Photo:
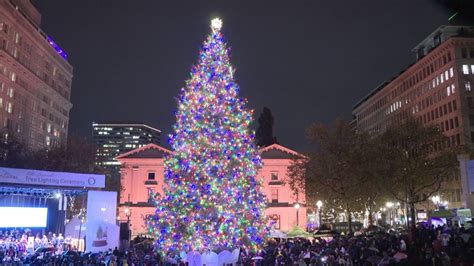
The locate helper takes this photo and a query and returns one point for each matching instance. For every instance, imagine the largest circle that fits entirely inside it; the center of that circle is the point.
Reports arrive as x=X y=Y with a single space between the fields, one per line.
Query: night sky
x=306 y=60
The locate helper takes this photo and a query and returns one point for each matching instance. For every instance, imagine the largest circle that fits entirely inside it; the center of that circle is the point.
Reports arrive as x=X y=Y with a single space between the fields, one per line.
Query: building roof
x=153 y=151
x=447 y=36
x=149 y=151
x=276 y=151
x=123 y=124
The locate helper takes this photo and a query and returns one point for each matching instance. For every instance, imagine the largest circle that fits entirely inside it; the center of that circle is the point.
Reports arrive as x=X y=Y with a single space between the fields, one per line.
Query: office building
x=115 y=138
x=437 y=89
x=35 y=79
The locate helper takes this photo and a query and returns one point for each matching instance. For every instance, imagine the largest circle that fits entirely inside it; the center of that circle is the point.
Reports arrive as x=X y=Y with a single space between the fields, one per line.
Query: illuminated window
x=48 y=141
x=468 y=85
x=274 y=195
x=274 y=176
x=10 y=92
x=13 y=76
x=17 y=37
x=451 y=72
x=446 y=75
x=465 y=69
x=9 y=108
x=472 y=69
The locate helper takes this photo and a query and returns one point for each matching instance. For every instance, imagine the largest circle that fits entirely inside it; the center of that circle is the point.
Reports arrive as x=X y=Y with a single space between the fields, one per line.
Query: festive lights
x=212 y=197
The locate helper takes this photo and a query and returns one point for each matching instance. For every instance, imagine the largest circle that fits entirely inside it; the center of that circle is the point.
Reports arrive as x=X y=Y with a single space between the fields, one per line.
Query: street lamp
x=297 y=207
x=319 y=204
x=128 y=213
x=389 y=207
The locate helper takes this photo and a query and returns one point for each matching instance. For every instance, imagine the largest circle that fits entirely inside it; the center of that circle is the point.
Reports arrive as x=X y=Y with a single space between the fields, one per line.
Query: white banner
x=48 y=178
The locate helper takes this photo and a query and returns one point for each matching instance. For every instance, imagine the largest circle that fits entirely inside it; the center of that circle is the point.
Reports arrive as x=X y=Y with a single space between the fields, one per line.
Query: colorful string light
x=213 y=199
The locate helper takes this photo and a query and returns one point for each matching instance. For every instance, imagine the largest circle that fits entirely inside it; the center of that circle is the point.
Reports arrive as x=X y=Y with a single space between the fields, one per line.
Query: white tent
x=277 y=234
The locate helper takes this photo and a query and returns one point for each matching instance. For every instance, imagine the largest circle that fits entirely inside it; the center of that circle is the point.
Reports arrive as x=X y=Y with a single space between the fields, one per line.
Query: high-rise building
x=437 y=89
x=35 y=78
x=115 y=138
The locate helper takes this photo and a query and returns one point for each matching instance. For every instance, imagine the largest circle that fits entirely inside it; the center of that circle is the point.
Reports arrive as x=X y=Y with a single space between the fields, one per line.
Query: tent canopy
x=298 y=232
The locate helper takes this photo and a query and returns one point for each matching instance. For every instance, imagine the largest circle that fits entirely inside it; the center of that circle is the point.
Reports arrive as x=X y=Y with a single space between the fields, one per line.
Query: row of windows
x=451 y=141
x=28 y=57
x=410 y=97
x=465 y=54
x=449 y=124
x=466 y=69
x=439 y=112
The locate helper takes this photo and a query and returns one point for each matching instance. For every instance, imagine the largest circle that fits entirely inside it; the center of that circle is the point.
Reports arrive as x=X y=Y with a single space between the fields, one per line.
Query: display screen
x=23 y=217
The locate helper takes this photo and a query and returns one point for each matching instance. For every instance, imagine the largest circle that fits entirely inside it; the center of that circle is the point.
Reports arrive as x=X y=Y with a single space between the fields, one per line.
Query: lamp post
x=128 y=213
x=319 y=204
x=389 y=206
x=297 y=207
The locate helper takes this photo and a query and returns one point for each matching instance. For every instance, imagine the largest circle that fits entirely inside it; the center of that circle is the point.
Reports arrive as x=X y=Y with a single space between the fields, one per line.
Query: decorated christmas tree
x=212 y=198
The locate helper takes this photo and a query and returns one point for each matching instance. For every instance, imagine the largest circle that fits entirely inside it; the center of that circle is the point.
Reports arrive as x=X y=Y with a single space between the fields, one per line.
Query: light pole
x=389 y=206
x=319 y=204
x=297 y=207
x=128 y=214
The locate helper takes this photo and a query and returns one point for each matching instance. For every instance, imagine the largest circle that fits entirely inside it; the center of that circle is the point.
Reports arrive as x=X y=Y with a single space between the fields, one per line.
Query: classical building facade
x=142 y=171
x=437 y=89
x=35 y=78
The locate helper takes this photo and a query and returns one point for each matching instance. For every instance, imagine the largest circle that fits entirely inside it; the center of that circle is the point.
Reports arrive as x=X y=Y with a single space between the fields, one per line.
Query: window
x=10 y=92
x=48 y=141
x=275 y=218
x=454 y=105
x=451 y=72
x=467 y=85
x=13 y=76
x=472 y=69
x=456 y=122
x=465 y=69
x=17 y=37
x=9 y=108
x=151 y=176
x=463 y=52
x=274 y=176
x=274 y=198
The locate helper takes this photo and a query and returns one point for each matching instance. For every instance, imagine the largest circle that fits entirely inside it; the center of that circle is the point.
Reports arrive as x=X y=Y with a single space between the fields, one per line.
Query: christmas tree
x=212 y=199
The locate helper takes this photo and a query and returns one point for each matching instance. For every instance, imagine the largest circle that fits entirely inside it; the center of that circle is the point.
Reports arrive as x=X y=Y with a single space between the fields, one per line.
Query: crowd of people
x=16 y=245
x=425 y=245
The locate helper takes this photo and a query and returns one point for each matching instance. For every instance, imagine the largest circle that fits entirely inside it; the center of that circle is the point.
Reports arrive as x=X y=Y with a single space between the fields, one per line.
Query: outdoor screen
x=23 y=217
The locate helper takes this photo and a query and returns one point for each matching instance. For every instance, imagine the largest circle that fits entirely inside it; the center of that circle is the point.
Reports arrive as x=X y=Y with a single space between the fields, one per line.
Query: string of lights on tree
x=213 y=199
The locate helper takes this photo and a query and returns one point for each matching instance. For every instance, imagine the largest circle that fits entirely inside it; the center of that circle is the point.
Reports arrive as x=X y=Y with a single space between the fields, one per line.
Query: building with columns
x=438 y=89
x=35 y=79
x=142 y=171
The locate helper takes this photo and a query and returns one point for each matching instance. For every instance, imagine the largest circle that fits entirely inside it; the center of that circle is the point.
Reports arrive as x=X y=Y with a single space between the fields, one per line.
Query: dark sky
x=306 y=60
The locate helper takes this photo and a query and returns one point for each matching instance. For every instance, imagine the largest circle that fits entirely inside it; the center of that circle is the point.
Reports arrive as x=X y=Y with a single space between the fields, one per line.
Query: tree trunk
x=412 y=215
x=371 y=216
x=349 y=220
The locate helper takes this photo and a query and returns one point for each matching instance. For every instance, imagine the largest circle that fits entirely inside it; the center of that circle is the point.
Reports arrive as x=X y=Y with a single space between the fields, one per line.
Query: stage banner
x=102 y=233
x=48 y=178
